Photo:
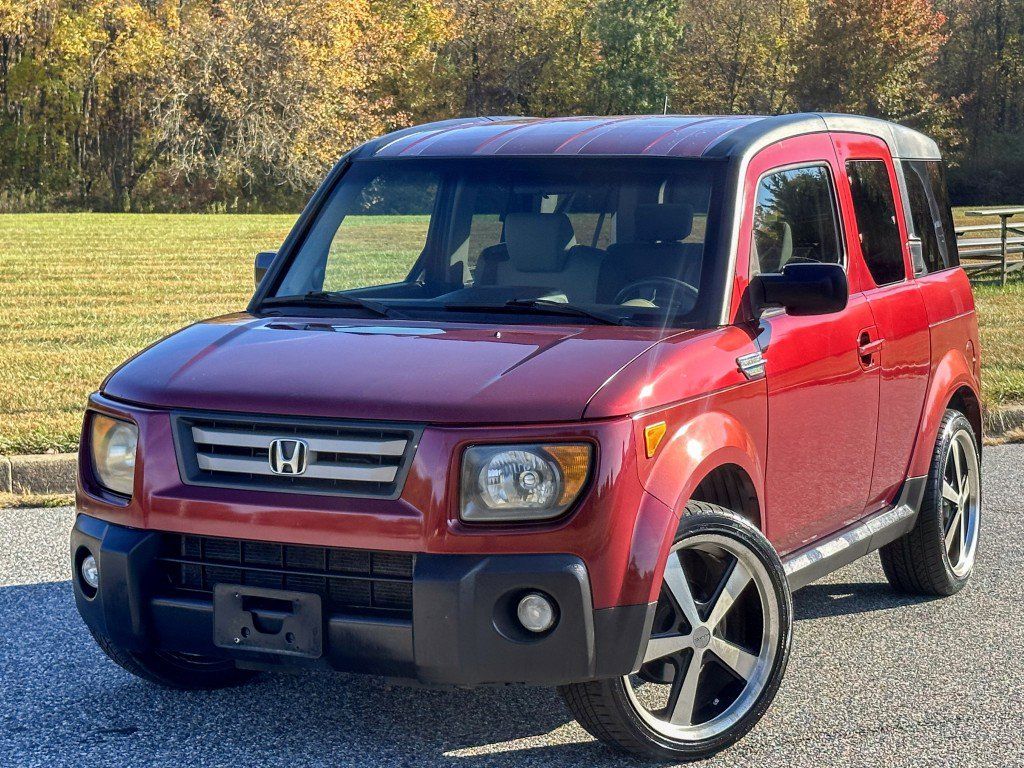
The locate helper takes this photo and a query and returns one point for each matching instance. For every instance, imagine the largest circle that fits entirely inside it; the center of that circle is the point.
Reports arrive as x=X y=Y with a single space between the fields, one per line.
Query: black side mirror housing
x=263 y=263
x=802 y=289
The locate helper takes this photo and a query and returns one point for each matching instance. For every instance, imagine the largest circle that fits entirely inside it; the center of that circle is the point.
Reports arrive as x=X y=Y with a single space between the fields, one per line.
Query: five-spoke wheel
x=961 y=497
x=937 y=557
x=715 y=638
x=717 y=651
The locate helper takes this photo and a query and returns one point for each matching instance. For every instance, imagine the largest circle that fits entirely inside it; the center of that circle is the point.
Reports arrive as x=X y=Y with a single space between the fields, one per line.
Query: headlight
x=522 y=482
x=113 y=453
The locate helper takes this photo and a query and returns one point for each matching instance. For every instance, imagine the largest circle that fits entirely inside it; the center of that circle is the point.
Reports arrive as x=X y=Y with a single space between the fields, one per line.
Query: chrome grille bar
x=294 y=455
x=316 y=470
x=262 y=440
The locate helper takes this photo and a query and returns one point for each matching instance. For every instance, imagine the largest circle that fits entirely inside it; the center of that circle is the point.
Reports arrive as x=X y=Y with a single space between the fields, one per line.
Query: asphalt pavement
x=875 y=679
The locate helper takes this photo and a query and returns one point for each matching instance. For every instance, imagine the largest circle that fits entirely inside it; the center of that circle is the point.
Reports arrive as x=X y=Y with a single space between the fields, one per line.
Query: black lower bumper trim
x=463 y=631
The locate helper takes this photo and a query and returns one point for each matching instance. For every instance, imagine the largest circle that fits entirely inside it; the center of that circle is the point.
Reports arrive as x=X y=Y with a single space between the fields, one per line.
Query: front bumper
x=462 y=629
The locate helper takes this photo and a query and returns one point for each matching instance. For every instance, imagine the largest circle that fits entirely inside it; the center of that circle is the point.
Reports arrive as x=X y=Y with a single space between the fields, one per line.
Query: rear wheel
x=174 y=670
x=717 y=652
x=938 y=555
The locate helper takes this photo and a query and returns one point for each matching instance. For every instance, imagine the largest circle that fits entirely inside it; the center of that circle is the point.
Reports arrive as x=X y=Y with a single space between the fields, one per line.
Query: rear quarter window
x=931 y=215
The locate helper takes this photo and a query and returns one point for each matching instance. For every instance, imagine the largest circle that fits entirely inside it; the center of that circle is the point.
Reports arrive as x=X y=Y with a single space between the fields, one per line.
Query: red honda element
x=572 y=402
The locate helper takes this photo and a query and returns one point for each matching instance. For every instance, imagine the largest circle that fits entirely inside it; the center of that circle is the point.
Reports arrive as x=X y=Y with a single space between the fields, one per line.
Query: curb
x=54 y=473
x=5 y=475
x=40 y=474
x=1001 y=421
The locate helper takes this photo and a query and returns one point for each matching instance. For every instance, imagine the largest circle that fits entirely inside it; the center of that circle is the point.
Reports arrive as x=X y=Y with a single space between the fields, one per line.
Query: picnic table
x=1010 y=241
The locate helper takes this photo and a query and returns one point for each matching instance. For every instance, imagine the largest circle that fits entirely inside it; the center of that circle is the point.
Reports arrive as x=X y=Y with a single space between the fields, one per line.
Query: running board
x=818 y=560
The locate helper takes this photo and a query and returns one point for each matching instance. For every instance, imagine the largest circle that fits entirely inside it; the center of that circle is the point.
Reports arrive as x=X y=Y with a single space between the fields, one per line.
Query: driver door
x=822 y=390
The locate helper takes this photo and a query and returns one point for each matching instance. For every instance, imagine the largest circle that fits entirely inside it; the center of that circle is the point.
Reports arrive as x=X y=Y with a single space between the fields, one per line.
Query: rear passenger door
x=822 y=400
x=900 y=347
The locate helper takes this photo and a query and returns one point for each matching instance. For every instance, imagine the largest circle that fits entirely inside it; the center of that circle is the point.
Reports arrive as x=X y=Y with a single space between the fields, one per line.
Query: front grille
x=335 y=459
x=347 y=580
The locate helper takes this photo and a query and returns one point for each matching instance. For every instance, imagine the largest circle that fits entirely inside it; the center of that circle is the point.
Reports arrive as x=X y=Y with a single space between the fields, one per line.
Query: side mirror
x=263 y=263
x=802 y=289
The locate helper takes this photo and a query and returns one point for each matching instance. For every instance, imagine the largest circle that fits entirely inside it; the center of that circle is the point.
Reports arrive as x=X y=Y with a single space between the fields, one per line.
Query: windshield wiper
x=541 y=305
x=328 y=299
x=564 y=308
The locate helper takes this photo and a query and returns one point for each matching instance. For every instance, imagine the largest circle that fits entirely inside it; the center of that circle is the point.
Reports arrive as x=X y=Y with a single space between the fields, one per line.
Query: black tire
x=918 y=563
x=178 y=671
x=607 y=710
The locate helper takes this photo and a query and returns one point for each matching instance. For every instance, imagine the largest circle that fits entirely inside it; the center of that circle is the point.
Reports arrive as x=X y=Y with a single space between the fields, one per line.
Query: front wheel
x=717 y=652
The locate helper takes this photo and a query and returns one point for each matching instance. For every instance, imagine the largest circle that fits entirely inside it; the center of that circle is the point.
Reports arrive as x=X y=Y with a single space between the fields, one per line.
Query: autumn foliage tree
x=636 y=42
x=241 y=105
x=522 y=57
x=82 y=89
x=739 y=56
x=873 y=57
x=267 y=94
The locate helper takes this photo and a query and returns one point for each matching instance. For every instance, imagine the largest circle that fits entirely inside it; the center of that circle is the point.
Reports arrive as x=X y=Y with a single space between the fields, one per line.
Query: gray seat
x=656 y=249
x=539 y=252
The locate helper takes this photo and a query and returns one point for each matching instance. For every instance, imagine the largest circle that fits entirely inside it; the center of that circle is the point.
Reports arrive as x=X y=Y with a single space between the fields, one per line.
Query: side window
x=794 y=220
x=875 y=207
x=921 y=223
x=939 y=195
x=932 y=217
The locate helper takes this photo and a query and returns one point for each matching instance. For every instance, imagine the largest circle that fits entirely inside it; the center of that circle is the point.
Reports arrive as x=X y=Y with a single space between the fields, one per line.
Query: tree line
x=242 y=105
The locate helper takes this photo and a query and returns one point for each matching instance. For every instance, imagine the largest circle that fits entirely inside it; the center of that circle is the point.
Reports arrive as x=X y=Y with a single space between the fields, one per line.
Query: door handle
x=868 y=347
x=871 y=347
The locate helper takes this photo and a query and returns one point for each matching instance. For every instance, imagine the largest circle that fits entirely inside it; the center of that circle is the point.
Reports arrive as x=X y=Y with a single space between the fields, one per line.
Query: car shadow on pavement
x=818 y=601
x=63 y=698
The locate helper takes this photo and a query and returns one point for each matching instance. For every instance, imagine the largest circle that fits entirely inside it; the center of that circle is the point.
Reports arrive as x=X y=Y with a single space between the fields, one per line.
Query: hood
x=380 y=370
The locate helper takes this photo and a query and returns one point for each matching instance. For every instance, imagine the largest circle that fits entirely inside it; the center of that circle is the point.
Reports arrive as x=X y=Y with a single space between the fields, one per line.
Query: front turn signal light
x=653 y=433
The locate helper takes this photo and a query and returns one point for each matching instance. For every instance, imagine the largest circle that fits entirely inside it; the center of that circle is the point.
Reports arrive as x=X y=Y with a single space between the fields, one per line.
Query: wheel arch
x=953 y=385
x=730 y=486
x=712 y=454
x=966 y=401
x=710 y=457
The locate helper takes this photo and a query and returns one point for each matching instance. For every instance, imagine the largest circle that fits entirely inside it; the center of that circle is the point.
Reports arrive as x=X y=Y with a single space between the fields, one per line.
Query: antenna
x=665 y=110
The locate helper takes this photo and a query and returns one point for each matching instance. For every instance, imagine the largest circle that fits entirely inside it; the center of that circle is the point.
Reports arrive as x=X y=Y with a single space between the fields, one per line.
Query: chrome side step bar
x=818 y=560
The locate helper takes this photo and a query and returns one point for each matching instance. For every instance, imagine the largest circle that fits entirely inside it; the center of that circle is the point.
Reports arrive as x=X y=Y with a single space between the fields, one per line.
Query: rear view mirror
x=802 y=289
x=263 y=263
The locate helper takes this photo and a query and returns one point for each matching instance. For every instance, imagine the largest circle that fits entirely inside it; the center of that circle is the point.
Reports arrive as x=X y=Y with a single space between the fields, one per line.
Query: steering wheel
x=676 y=291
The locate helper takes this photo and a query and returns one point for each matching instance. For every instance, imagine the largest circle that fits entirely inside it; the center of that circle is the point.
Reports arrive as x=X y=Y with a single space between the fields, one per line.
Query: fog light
x=536 y=612
x=90 y=571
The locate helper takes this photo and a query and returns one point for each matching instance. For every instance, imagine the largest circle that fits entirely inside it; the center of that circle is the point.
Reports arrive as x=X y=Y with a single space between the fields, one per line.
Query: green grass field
x=82 y=292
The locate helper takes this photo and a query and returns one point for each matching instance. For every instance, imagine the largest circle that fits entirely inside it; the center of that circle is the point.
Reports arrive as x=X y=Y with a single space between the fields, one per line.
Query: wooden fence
x=984 y=256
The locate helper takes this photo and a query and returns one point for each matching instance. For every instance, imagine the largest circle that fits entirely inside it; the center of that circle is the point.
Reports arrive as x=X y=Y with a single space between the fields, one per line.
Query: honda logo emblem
x=288 y=457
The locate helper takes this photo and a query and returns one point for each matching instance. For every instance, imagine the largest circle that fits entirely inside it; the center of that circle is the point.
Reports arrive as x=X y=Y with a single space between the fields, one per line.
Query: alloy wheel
x=714 y=642
x=961 y=497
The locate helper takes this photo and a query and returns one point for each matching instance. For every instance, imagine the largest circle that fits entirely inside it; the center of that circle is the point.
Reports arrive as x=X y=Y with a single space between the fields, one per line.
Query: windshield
x=628 y=241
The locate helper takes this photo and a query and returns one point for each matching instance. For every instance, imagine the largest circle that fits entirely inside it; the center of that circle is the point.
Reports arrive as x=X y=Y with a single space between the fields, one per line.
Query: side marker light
x=652 y=437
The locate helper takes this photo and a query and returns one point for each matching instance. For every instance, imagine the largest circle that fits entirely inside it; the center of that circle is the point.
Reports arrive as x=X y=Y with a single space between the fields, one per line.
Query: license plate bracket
x=268 y=620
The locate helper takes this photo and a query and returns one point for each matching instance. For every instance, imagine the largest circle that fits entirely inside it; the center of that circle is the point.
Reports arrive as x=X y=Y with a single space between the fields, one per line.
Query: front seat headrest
x=538 y=242
x=663 y=222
